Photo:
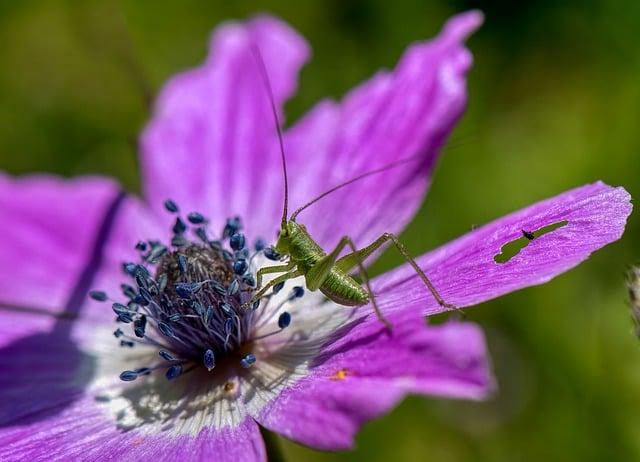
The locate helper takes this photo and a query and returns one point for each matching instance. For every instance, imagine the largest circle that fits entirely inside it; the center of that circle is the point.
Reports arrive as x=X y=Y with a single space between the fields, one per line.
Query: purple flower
x=185 y=373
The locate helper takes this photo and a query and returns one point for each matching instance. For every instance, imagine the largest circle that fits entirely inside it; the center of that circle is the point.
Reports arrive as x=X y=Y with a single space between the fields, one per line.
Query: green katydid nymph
x=327 y=272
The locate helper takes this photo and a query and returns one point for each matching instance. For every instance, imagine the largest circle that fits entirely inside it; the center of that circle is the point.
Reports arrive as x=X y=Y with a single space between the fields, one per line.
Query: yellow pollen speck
x=340 y=375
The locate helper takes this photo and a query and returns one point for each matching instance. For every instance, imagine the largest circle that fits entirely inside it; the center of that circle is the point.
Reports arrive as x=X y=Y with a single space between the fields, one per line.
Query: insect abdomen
x=344 y=290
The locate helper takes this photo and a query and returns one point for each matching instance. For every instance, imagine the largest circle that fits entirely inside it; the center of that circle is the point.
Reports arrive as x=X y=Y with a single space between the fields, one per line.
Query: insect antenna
x=267 y=84
x=353 y=180
x=385 y=167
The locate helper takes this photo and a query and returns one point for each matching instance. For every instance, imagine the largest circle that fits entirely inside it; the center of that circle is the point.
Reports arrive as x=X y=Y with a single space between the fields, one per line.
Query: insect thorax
x=300 y=246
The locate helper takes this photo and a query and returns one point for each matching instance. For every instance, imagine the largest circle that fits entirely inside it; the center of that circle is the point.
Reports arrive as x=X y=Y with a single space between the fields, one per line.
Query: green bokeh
x=555 y=103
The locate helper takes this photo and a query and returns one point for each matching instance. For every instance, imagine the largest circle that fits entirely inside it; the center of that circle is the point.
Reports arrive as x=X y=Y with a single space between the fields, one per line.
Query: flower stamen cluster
x=188 y=299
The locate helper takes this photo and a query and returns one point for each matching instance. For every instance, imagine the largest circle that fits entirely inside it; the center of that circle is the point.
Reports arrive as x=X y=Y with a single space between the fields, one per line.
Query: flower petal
x=365 y=371
x=465 y=272
x=211 y=145
x=16 y=324
x=51 y=238
x=43 y=370
x=84 y=432
x=396 y=115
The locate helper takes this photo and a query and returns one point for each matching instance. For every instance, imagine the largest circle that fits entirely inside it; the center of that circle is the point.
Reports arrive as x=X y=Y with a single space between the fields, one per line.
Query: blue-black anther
x=255 y=305
x=237 y=241
x=234 y=287
x=171 y=206
x=296 y=292
x=232 y=226
x=166 y=355
x=248 y=360
x=139 y=325
x=126 y=343
x=141 y=246
x=249 y=279
x=128 y=291
x=240 y=266
x=119 y=308
x=284 y=320
x=128 y=376
x=157 y=251
x=278 y=287
x=186 y=289
x=118 y=333
x=179 y=227
x=179 y=241
x=182 y=264
x=175 y=317
x=98 y=295
x=144 y=297
x=129 y=268
x=153 y=288
x=217 y=288
x=140 y=269
x=271 y=253
x=209 y=360
x=259 y=245
x=202 y=234
x=141 y=280
x=228 y=309
x=195 y=218
x=165 y=329
x=125 y=318
x=174 y=371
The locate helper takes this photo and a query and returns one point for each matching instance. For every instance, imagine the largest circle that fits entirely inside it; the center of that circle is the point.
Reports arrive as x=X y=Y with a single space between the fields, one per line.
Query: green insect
x=327 y=272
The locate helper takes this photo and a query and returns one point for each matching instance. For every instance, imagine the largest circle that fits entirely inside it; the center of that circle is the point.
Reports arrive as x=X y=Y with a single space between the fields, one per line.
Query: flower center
x=189 y=299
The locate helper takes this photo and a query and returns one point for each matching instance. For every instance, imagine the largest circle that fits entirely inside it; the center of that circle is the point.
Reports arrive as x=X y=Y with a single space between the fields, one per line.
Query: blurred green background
x=555 y=103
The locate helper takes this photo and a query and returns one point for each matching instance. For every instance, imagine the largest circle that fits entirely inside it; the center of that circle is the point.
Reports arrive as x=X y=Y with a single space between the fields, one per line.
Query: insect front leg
x=272 y=269
x=290 y=275
x=348 y=262
x=318 y=274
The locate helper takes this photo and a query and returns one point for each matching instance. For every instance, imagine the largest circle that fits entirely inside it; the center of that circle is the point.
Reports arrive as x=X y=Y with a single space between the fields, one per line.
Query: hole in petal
x=513 y=248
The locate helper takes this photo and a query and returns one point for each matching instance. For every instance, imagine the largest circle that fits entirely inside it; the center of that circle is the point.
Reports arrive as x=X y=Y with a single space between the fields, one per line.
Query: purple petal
x=366 y=371
x=211 y=145
x=83 y=431
x=50 y=238
x=43 y=370
x=408 y=112
x=14 y=325
x=465 y=272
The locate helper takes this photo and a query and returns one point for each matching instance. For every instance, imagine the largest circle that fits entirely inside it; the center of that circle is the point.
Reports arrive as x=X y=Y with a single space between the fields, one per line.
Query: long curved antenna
x=353 y=180
x=267 y=84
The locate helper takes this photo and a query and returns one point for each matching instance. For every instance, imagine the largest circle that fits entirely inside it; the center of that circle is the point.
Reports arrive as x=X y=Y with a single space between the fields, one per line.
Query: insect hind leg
x=355 y=256
x=403 y=250
x=350 y=261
